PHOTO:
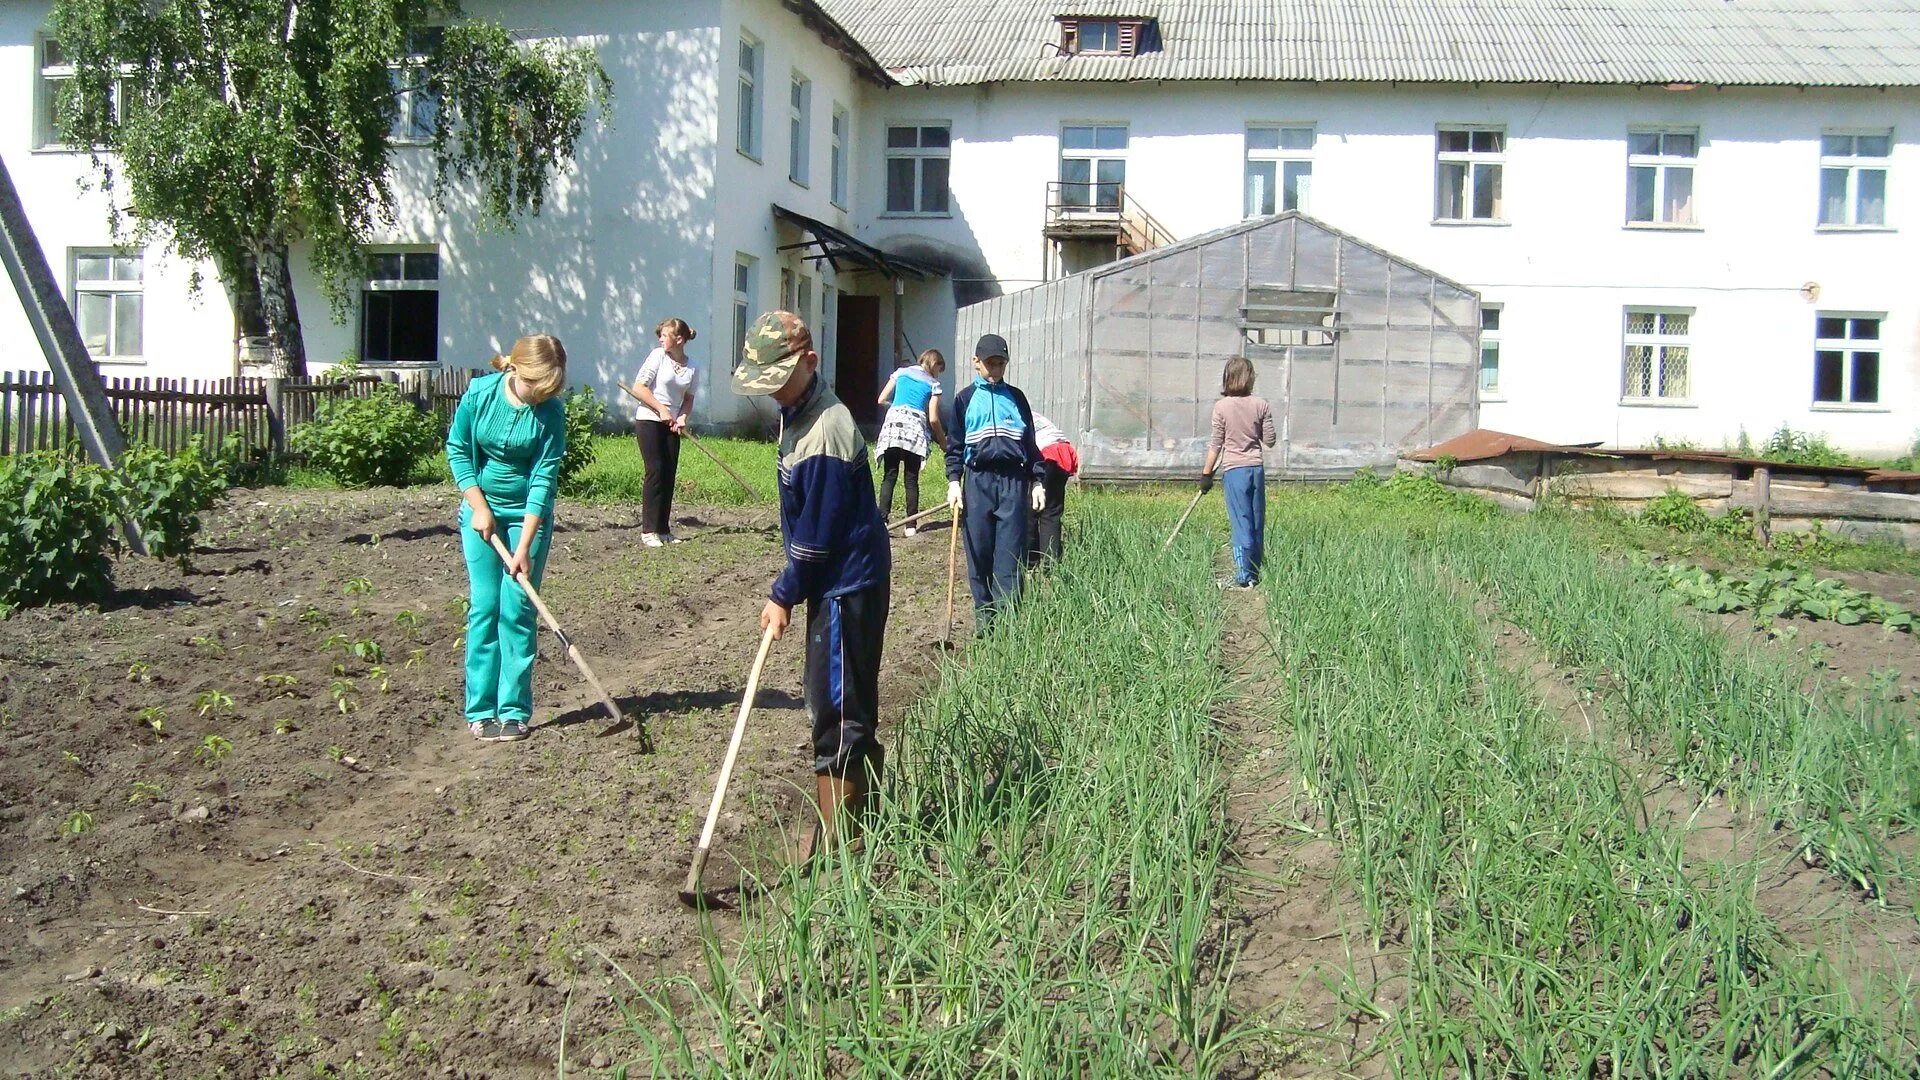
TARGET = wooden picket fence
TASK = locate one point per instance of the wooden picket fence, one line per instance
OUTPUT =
(168, 413)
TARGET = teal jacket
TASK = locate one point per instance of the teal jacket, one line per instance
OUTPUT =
(510, 452)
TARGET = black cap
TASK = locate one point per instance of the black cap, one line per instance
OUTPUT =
(990, 345)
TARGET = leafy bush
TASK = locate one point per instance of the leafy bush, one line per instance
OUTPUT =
(1781, 592)
(167, 494)
(1676, 510)
(1419, 489)
(1790, 447)
(583, 415)
(361, 441)
(58, 526)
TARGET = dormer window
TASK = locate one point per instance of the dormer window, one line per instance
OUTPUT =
(1104, 37)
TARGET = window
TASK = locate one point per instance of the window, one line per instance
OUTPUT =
(747, 139)
(1853, 178)
(837, 185)
(107, 303)
(1276, 316)
(400, 309)
(416, 103)
(1111, 37)
(1093, 166)
(1846, 359)
(745, 284)
(803, 300)
(917, 162)
(1490, 350)
(56, 74)
(1660, 176)
(799, 123)
(1470, 160)
(1656, 355)
(1279, 169)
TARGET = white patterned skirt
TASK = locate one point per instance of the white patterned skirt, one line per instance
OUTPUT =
(905, 428)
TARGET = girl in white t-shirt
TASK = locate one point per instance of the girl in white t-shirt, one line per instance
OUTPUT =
(665, 387)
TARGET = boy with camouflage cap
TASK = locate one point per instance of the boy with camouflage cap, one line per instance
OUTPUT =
(838, 563)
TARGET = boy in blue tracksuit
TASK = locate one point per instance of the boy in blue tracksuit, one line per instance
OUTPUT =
(990, 443)
(838, 564)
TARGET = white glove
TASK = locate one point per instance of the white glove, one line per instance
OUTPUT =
(1039, 496)
(953, 494)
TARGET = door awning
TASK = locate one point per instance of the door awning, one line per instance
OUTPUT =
(838, 246)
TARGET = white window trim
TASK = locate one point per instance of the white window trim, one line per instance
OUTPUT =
(800, 131)
(1093, 156)
(753, 80)
(400, 284)
(1470, 158)
(1853, 164)
(1660, 163)
(743, 301)
(74, 289)
(840, 128)
(404, 99)
(1280, 158)
(1493, 337)
(1658, 341)
(1851, 345)
(919, 153)
(46, 78)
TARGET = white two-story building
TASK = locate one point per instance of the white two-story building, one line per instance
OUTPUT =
(1686, 218)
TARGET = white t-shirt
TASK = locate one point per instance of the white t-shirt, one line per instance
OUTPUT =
(671, 384)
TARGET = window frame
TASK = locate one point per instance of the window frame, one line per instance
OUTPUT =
(412, 70)
(748, 127)
(1854, 163)
(919, 154)
(1491, 336)
(1094, 156)
(1660, 342)
(746, 284)
(373, 283)
(111, 286)
(799, 129)
(1471, 159)
(1662, 163)
(1280, 158)
(841, 128)
(1847, 347)
(46, 79)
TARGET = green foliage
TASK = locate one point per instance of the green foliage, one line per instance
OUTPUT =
(58, 528)
(1418, 489)
(1781, 592)
(78, 822)
(361, 441)
(584, 413)
(1790, 447)
(1676, 510)
(231, 130)
(167, 494)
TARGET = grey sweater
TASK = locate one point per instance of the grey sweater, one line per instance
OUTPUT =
(1241, 426)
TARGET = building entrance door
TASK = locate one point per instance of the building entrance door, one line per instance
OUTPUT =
(857, 379)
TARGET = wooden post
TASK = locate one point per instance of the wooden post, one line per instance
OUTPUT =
(1763, 497)
(276, 415)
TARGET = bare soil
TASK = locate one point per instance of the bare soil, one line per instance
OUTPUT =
(310, 868)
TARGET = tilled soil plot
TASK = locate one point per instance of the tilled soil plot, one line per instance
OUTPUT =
(245, 832)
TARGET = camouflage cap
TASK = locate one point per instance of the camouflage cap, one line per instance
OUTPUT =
(771, 352)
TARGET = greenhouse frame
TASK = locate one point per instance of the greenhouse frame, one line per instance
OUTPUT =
(1362, 353)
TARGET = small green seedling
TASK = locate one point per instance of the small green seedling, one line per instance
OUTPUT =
(313, 618)
(154, 717)
(379, 675)
(145, 791)
(279, 682)
(407, 620)
(357, 586)
(72, 759)
(77, 822)
(207, 643)
(139, 671)
(217, 702)
(284, 725)
(213, 749)
(336, 751)
(415, 657)
(342, 693)
(335, 641)
(367, 650)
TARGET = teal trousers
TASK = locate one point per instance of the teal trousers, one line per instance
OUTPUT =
(503, 630)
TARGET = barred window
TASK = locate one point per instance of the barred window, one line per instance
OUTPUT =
(1657, 353)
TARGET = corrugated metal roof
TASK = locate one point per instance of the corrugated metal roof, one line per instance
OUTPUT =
(1715, 42)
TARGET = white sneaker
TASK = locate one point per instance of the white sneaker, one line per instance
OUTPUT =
(669, 538)
(908, 531)
(650, 540)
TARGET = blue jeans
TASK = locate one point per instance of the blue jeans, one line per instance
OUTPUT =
(1246, 489)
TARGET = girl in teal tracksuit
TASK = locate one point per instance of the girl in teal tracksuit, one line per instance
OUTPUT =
(508, 436)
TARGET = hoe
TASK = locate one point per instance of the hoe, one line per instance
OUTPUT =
(573, 651)
(690, 893)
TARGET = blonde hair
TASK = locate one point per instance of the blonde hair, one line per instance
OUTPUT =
(936, 356)
(678, 326)
(1237, 379)
(540, 361)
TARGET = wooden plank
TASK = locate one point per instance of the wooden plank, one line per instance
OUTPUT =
(1793, 501)
(1640, 485)
(1763, 502)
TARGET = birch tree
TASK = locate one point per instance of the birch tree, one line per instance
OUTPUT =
(233, 130)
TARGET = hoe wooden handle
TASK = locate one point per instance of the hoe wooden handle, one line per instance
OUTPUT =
(691, 892)
(1178, 525)
(906, 521)
(573, 651)
(698, 445)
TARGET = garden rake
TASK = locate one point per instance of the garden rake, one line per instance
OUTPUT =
(1178, 525)
(690, 893)
(573, 651)
(922, 515)
(702, 447)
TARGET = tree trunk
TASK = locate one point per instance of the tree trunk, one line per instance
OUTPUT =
(240, 275)
(280, 311)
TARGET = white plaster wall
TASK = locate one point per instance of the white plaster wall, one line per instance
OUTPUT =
(1564, 265)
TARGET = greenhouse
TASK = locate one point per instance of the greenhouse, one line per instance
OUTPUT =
(1362, 353)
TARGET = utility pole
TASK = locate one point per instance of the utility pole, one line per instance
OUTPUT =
(73, 369)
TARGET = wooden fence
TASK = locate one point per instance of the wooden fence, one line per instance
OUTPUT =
(167, 413)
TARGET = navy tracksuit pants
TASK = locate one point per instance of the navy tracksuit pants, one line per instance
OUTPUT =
(996, 508)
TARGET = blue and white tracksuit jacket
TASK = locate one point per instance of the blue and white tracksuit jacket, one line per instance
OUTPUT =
(835, 539)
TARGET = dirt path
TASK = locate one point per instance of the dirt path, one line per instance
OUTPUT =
(1303, 957)
(366, 889)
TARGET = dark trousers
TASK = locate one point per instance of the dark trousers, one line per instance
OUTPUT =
(890, 463)
(844, 639)
(996, 513)
(660, 450)
(1043, 532)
